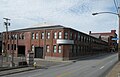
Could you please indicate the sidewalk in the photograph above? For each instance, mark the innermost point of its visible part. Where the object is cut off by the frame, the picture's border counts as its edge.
(115, 71)
(40, 65)
(17, 70)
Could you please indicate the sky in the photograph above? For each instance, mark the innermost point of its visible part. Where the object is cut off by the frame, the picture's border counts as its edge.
(76, 14)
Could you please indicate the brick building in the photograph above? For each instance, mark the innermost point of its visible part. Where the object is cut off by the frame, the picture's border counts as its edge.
(0, 43)
(53, 42)
(108, 37)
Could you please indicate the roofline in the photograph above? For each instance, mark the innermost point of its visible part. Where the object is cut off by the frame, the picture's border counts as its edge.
(39, 28)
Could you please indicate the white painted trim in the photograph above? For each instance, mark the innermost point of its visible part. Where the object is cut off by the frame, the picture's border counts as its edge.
(64, 41)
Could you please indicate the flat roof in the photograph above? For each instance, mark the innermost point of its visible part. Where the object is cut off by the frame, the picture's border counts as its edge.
(39, 28)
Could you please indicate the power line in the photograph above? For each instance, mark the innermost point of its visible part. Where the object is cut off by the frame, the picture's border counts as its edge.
(116, 5)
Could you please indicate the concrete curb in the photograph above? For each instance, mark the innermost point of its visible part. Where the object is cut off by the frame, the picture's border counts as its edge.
(4, 68)
(16, 72)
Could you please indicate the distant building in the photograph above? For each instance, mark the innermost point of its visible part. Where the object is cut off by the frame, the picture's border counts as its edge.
(108, 37)
(0, 43)
(53, 42)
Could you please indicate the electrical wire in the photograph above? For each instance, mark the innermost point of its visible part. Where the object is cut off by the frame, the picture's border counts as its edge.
(116, 5)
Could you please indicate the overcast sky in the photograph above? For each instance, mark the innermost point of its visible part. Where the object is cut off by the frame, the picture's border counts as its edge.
(76, 14)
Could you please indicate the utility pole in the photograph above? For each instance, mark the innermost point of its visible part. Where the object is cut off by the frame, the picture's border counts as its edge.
(119, 33)
(6, 23)
(12, 48)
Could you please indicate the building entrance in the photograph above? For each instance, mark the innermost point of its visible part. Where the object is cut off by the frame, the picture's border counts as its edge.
(38, 52)
(21, 51)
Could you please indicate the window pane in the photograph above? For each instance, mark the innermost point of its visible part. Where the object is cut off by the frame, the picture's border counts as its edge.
(55, 35)
(66, 35)
(48, 35)
(59, 49)
(71, 35)
(42, 35)
(33, 35)
(60, 35)
(33, 48)
(36, 35)
(48, 48)
(23, 37)
(54, 49)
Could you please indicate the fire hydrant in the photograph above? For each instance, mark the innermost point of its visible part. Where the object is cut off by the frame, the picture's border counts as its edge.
(35, 64)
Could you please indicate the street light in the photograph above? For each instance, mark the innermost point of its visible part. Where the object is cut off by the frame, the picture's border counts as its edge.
(118, 14)
(105, 12)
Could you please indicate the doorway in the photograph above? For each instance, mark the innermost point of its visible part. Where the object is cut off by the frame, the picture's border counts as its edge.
(38, 52)
(21, 51)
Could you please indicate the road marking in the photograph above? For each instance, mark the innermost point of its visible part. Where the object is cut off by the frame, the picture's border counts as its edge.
(102, 67)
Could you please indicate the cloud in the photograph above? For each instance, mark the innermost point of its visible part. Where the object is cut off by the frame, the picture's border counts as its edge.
(71, 13)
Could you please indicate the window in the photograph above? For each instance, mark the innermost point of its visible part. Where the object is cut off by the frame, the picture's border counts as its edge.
(71, 48)
(79, 36)
(13, 46)
(9, 37)
(36, 35)
(8, 46)
(75, 49)
(60, 35)
(66, 35)
(42, 35)
(59, 49)
(48, 48)
(15, 36)
(33, 48)
(33, 36)
(55, 35)
(75, 36)
(83, 39)
(71, 35)
(48, 35)
(54, 49)
(22, 36)
(12, 36)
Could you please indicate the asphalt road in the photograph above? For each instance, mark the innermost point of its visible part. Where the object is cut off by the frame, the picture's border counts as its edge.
(95, 67)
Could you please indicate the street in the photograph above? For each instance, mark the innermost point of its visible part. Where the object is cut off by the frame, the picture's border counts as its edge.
(95, 67)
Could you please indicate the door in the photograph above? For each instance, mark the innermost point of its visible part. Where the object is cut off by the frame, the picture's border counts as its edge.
(38, 52)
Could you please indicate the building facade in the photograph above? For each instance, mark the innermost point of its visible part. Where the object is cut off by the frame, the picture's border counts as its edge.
(53, 42)
(109, 37)
(0, 43)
